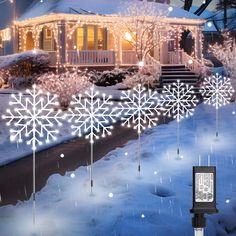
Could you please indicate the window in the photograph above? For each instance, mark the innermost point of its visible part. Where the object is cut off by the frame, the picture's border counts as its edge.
(90, 38)
(126, 46)
(80, 38)
(1, 42)
(100, 39)
(48, 34)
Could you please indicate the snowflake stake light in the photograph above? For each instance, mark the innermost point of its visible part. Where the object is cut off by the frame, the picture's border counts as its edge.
(217, 91)
(178, 100)
(139, 109)
(92, 116)
(33, 119)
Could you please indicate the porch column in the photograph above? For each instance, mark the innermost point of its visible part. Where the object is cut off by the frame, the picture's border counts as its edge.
(118, 58)
(62, 42)
(199, 43)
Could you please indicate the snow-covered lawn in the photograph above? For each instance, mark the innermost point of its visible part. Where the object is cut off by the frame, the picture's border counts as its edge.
(156, 203)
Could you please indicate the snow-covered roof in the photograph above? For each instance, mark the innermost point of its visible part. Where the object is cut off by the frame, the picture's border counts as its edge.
(46, 7)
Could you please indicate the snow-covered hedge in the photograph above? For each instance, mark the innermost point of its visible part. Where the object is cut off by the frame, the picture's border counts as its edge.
(109, 78)
(23, 65)
(65, 85)
(145, 80)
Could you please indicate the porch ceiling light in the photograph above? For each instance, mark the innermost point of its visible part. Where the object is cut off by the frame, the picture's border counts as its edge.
(128, 36)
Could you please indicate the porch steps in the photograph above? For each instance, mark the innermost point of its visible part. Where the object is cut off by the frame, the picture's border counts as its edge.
(172, 73)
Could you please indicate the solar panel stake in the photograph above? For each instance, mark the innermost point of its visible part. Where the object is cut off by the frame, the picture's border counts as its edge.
(204, 196)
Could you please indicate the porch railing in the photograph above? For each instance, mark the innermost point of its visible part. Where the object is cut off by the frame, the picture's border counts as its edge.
(129, 58)
(181, 57)
(87, 57)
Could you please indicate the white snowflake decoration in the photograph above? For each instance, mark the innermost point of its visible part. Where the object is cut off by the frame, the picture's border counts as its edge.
(92, 115)
(178, 100)
(217, 91)
(32, 116)
(139, 108)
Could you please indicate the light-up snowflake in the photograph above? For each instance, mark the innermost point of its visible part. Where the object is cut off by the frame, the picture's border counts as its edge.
(217, 91)
(92, 115)
(178, 100)
(139, 108)
(33, 117)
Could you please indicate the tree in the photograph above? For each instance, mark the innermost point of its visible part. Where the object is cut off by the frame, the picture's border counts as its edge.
(187, 4)
(226, 53)
(200, 10)
(141, 24)
(225, 5)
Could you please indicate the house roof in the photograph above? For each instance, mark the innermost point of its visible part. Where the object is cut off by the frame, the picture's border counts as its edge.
(46, 7)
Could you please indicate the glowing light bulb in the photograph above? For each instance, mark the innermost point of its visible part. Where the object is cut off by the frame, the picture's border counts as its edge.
(142, 216)
(227, 201)
(72, 175)
(141, 64)
(209, 24)
(110, 195)
(128, 36)
(170, 9)
(190, 61)
(62, 155)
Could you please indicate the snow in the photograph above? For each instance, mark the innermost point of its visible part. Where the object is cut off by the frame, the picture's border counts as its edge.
(155, 203)
(98, 7)
(13, 59)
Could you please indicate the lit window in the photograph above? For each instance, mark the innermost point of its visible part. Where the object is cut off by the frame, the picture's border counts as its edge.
(80, 38)
(90, 38)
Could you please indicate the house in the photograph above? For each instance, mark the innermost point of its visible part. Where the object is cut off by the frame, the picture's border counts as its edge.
(82, 33)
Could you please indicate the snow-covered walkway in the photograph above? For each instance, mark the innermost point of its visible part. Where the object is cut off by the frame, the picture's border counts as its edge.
(156, 203)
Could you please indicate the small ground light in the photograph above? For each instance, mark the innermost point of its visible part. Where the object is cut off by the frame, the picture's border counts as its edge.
(72, 175)
(110, 195)
(142, 216)
(141, 64)
(155, 172)
(227, 201)
(62, 155)
(126, 153)
(233, 112)
(204, 196)
(170, 9)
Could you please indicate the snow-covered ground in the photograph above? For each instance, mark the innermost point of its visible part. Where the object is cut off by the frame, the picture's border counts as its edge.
(155, 203)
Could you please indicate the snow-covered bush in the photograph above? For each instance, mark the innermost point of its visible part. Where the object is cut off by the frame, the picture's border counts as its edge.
(109, 78)
(24, 64)
(65, 85)
(145, 79)
(226, 53)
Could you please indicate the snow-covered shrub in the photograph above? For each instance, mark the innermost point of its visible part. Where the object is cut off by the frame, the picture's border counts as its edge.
(148, 80)
(26, 63)
(109, 78)
(226, 53)
(21, 82)
(65, 85)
